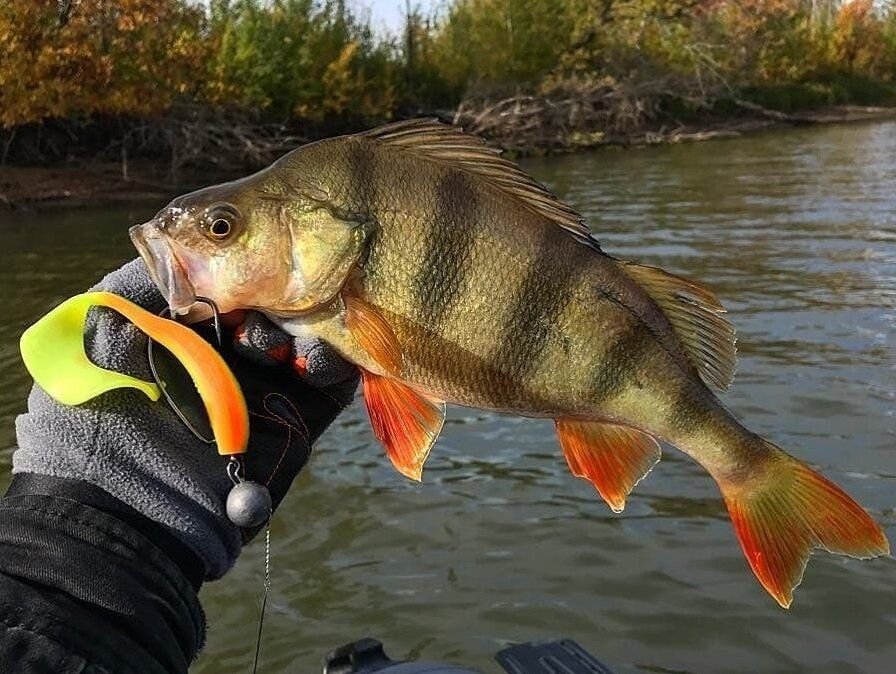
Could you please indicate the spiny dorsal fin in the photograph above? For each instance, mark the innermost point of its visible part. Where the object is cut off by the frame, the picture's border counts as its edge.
(471, 154)
(696, 315)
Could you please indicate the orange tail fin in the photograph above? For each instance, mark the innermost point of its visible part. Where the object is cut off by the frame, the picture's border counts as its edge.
(785, 512)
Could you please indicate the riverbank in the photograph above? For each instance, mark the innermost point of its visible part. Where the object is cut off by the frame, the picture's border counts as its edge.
(763, 121)
(36, 188)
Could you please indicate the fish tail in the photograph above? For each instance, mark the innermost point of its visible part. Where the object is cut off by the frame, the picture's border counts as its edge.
(783, 510)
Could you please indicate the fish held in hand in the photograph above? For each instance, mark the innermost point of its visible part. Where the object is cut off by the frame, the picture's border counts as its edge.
(446, 274)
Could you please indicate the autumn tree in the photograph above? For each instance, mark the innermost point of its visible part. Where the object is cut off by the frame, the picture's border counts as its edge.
(496, 42)
(96, 56)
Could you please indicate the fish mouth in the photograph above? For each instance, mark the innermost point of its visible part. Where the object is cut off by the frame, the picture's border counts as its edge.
(164, 268)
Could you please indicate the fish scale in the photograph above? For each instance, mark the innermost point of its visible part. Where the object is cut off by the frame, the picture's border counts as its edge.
(497, 324)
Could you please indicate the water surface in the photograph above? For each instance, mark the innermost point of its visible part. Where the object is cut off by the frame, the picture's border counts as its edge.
(796, 232)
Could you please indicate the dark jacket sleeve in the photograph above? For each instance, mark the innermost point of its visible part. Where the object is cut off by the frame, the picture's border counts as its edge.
(89, 585)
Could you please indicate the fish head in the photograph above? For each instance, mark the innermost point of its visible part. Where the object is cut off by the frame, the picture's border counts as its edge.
(245, 245)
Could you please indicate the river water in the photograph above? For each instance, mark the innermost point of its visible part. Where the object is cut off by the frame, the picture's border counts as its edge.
(796, 232)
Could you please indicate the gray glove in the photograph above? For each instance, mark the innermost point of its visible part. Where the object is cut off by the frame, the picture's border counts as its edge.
(141, 453)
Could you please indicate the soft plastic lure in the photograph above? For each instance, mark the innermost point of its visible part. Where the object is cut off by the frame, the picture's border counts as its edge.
(53, 352)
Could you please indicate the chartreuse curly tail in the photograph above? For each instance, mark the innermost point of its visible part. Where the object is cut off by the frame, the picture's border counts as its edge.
(53, 352)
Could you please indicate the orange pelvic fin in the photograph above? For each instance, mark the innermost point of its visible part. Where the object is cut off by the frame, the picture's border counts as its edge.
(786, 511)
(612, 457)
(372, 333)
(405, 421)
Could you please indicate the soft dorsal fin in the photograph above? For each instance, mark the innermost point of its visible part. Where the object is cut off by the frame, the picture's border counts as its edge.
(696, 315)
(469, 153)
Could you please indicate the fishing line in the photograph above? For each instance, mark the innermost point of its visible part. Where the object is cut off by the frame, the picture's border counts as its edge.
(247, 500)
(264, 596)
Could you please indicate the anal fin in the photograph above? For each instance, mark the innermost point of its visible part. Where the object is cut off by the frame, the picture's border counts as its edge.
(614, 458)
(405, 421)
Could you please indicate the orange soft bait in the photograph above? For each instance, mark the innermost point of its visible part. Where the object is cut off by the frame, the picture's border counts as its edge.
(53, 352)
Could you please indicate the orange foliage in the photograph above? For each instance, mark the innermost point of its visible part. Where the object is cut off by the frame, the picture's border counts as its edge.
(858, 36)
(98, 56)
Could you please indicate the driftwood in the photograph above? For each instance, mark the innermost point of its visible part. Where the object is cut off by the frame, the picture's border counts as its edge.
(577, 115)
(187, 137)
(563, 118)
(199, 136)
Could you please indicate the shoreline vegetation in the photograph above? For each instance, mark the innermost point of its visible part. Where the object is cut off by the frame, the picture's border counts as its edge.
(145, 98)
(34, 187)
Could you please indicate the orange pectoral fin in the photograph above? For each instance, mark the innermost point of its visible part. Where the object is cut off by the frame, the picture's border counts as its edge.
(406, 422)
(612, 457)
(372, 333)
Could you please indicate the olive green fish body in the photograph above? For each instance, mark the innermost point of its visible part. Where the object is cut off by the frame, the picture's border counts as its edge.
(494, 306)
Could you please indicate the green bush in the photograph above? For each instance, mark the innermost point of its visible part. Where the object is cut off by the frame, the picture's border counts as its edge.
(298, 58)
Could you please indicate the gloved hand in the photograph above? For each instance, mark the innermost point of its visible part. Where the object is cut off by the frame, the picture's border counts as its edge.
(142, 454)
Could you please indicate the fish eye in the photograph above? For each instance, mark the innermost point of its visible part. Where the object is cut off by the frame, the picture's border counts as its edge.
(220, 221)
(219, 228)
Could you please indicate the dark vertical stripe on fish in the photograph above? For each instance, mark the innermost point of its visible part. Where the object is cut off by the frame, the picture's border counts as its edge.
(442, 273)
(540, 299)
(617, 368)
(361, 165)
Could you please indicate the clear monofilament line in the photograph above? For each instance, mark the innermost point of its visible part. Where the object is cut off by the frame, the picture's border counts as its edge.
(264, 596)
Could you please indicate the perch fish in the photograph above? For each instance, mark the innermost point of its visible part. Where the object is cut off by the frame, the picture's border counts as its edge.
(446, 274)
